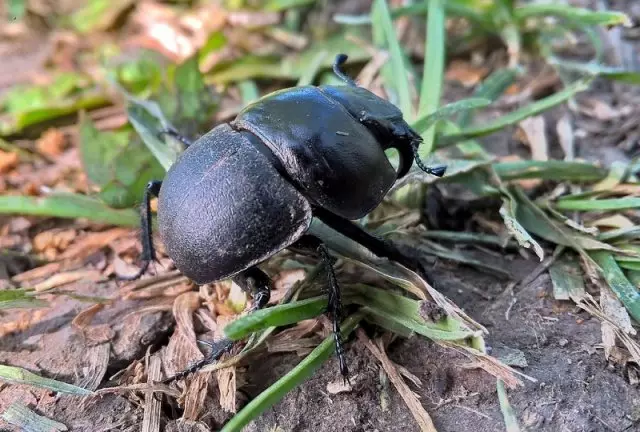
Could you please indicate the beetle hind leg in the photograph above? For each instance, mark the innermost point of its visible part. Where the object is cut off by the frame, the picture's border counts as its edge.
(252, 281)
(148, 250)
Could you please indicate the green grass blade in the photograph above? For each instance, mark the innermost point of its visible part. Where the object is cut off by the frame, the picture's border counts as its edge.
(140, 116)
(64, 205)
(19, 299)
(310, 72)
(491, 88)
(581, 15)
(598, 204)
(433, 73)
(516, 116)
(276, 316)
(509, 415)
(613, 274)
(596, 69)
(18, 375)
(400, 75)
(554, 170)
(292, 379)
(19, 415)
(427, 121)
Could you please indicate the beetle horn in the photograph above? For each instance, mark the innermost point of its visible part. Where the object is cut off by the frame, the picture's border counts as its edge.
(340, 60)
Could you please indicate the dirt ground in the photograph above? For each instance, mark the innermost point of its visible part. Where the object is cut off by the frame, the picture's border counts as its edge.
(557, 344)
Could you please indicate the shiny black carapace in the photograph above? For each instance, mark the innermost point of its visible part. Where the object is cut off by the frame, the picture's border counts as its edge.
(248, 189)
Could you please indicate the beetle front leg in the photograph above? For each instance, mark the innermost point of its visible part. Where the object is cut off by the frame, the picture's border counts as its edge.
(380, 247)
(148, 251)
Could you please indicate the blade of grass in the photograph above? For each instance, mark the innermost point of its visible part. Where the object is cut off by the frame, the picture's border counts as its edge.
(582, 15)
(19, 299)
(64, 205)
(310, 72)
(18, 375)
(598, 204)
(19, 415)
(433, 72)
(613, 274)
(401, 80)
(292, 379)
(425, 122)
(509, 415)
(555, 170)
(596, 69)
(518, 115)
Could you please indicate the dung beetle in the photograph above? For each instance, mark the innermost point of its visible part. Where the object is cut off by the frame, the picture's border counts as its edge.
(248, 189)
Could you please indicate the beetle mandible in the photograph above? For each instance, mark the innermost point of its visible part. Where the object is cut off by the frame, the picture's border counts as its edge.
(249, 188)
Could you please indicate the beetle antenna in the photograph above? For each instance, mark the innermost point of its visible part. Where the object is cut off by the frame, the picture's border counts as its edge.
(337, 69)
(437, 170)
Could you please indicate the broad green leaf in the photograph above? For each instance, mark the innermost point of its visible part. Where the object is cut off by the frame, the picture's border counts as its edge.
(508, 211)
(18, 375)
(117, 162)
(65, 205)
(147, 119)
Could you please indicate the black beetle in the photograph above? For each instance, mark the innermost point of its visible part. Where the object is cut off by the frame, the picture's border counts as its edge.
(248, 189)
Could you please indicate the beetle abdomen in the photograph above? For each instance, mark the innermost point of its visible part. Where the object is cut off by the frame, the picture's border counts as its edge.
(336, 161)
(223, 207)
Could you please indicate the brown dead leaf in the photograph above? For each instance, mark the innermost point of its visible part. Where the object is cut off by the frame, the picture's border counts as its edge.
(84, 318)
(54, 240)
(67, 278)
(566, 136)
(534, 135)
(615, 221)
(227, 384)
(90, 242)
(598, 109)
(8, 161)
(38, 272)
(51, 143)
(153, 404)
(465, 73)
(183, 308)
(25, 320)
(196, 395)
(410, 398)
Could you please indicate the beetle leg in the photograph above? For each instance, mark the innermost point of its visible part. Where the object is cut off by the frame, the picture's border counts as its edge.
(175, 134)
(148, 251)
(256, 283)
(217, 350)
(380, 247)
(253, 281)
(312, 244)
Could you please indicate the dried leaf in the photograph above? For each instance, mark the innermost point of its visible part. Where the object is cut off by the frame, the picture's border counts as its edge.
(536, 137)
(152, 404)
(51, 143)
(67, 278)
(465, 73)
(8, 161)
(417, 410)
